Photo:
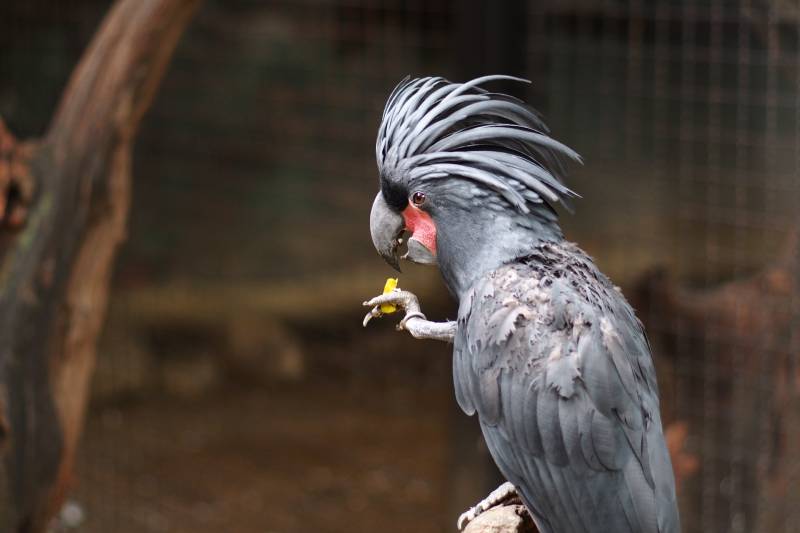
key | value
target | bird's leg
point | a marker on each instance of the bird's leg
(414, 321)
(505, 493)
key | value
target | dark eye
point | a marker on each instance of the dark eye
(418, 198)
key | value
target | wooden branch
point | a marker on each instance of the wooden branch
(502, 519)
(16, 181)
(63, 212)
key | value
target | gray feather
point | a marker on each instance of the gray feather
(550, 427)
(493, 132)
(570, 431)
(462, 379)
(428, 116)
(530, 420)
(572, 421)
(607, 439)
(446, 170)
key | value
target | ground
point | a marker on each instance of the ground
(307, 457)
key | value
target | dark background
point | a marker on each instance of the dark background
(235, 389)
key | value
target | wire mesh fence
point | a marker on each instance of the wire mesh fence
(256, 164)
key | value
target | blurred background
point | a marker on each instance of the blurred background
(235, 389)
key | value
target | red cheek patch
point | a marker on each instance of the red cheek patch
(421, 226)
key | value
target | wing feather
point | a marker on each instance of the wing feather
(570, 431)
(530, 421)
(462, 380)
(567, 404)
(550, 427)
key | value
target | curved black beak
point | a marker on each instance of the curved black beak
(386, 226)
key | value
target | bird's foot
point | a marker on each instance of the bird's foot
(405, 300)
(504, 494)
(414, 320)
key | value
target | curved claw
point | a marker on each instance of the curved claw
(465, 518)
(501, 494)
(375, 312)
(402, 299)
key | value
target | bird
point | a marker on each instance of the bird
(547, 352)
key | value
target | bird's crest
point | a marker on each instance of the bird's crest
(432, 128)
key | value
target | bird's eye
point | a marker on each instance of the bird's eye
(418, 198)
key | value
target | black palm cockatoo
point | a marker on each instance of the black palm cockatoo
(547, 351)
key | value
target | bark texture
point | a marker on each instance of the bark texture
(64, 203)
(502, 519)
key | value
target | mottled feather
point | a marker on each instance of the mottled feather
(564, 394)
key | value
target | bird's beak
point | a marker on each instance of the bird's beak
(419, 253)
(386, 226)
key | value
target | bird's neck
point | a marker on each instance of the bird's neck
(470, 250)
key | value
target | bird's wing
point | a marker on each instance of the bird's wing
(567, 398)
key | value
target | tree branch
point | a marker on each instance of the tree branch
(65, 203)
(502, 519)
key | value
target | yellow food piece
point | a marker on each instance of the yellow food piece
(391, 284)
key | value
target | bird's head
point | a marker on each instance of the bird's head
(465, 175)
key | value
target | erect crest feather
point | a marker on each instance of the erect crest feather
(432, 128)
